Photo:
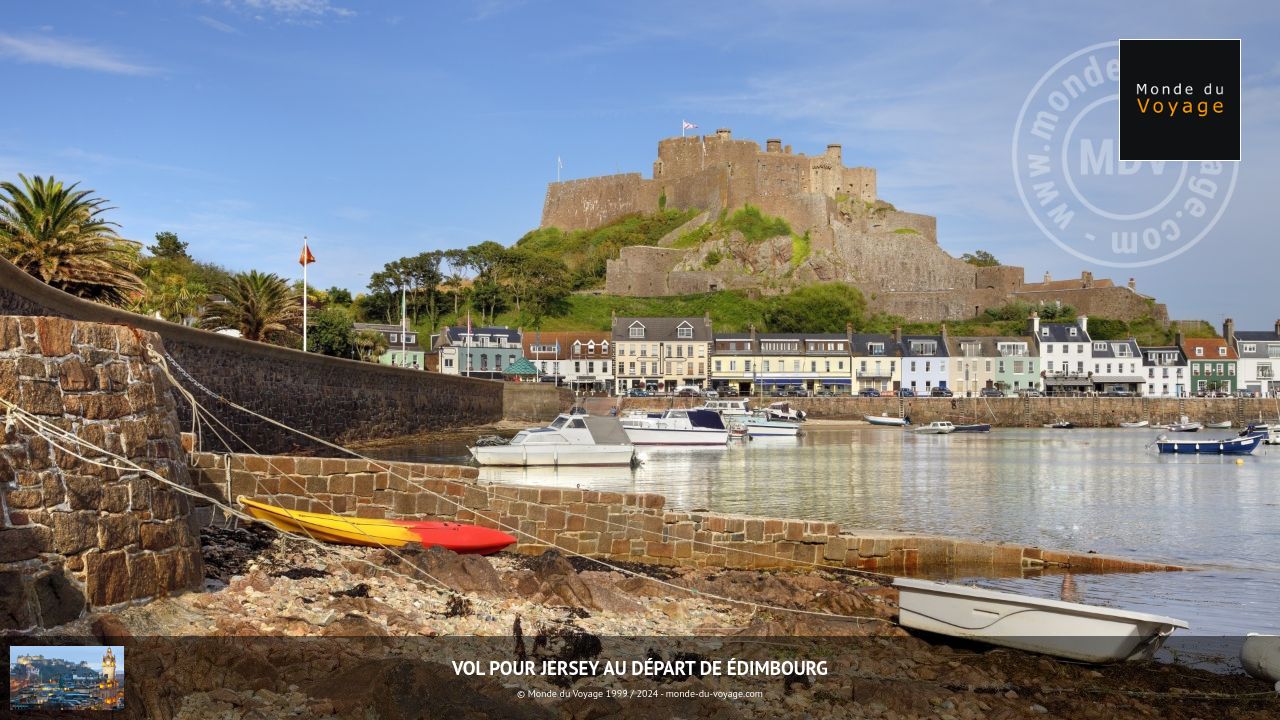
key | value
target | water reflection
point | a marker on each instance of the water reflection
(1099, 490)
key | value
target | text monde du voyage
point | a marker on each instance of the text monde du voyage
(1179, 99)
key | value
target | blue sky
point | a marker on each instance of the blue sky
(382, 129)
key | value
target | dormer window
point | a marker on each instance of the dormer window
(876, 348)
(1222, 352)
(1073, 332)
(1044, 332)
(604, 346)
(636, 330)
(684, 331)
(1199, 352)
(1099, 347)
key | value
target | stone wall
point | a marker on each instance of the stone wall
(340, 400)
(534, 402)
(1104, 412)
(73, 535)
(633, 527)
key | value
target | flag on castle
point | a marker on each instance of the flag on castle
(306, 258)
(686, 125)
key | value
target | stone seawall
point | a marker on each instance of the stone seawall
(616, 526)
(1012, 412)
(340, 400)
(76, 536)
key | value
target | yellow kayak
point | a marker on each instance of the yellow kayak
(380, 532)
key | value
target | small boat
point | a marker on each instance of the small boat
(1074, 631)
(973, 428)
(937, 427)
(784, 411)
(1219, 425)
(1260, 657)
(675, 427)
(887, 421)
(1270, 433)
(1135, 424)
(728, 408)
(571, 439)
(1184, 424)
(1239, 445)
(762, 424)
(1059, 425)
(379, 532)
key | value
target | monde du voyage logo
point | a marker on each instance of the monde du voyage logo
(1123, 152)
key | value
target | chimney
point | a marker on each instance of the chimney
(897, 334)
(752, 328)
(1033, 323)
(848, 333)
(943, 330)
(1177, 338)
(1047, 277)
(1083, 323)
(1133, 284)
(1229, 331)
(773, 145)
(724, 134)
(1086, 278)
(786, 150)
(1278, 327)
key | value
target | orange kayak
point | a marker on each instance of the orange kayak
(380, 532)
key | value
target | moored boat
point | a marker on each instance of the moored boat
(728, 408)
(1239, 445)
(1135, 424)
(675, 427)
(887, 421)
(380, 532)
(1219, 425)
(784, 411)
(973, 428)
(1270, 433)
(1074, 631)
(1184, 424)
(571, 439)
(937, 427)
(1059, 425)
(761, 424)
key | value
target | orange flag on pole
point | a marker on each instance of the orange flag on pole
(306, 258)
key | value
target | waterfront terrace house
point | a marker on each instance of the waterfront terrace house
(1117, 367)
(660, 353)
(1259, 353)
(579, 360)
(482, 353)
(1066, 355)
(763, 363)
(876, 362)
(1213, 365)
(1167, 370)
(924, 361)
(410, 355)
(1004, 363)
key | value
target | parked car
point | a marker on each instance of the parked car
(729, 392)
(796, 392)
(688, 391)
(940, 392)
(1117, 393)
(711, 394)
(823, 393)
(991, 392)
(869, 392)
(638, 392)
(905, 392)
(1030, 393)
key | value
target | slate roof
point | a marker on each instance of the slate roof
(563, 341)
(389, 330)
(661, 329)
(1061, 332)
(860, 341)
(1110, 351)
(989, 345)
(1147, 350)
(907, 350)
(1259, 338)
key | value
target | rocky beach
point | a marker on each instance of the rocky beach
(283, 629)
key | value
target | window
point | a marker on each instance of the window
(1264, 371)
(484, 361)
(1195, 367)
(971, 348)
(1122, 350)
(1048, 348)
(913, 368)
(1050, 368)
(637, 330)
(717, 366)
(411, 339)
(1073, 332)
(1231, 368)
(1044, 332)
(766, 366)
(988, 366)
(999, 366)
(1249, 348)
(684, 331)
(876, 348)
(924, 347)
(746, 366)
(1099, 347)
(733, 365)
(1199, 352)
(395, 337)
(1017, 366)
(1222, 352)
(862, 366)
(448, 362)
(1080, 349)
(577, 367)
(633, 368)
(1273, 350)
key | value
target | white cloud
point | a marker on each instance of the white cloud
(293, 11)
(45, 50)
(217, 25)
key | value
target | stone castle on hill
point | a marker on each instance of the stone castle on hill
(852, 235)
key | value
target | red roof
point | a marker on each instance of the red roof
(1210, 347)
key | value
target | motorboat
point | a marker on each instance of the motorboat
(937, 427)
(380, 532)
(1059, 425)
(729, 407)
(973, 428)
(1184, 424)
(762, 424)
(1239, 445)
(1270, 433)
(1219, 425)
(675, 427)
(887, 421)
(1073, 631)
(784, 411)
(1135, 424)
(571, 439)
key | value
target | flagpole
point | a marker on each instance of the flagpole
(558, 166)
(304, 293)
(404, 358)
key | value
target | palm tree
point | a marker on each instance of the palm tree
(57, 233)
(256, 304)
(370, 344)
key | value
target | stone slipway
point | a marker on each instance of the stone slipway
(632, 527)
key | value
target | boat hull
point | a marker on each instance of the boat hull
(380, 532)
(973, 428)
(1067, 630)
(885, 420)
(1230, 446)
(553, 454)
(669, 436)
(1133, 425)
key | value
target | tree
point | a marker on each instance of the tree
(825, 307)
(484, 258)
(339, 296)
(332, 332)
(259, 305)
(370, 344)
(981, 258)
(169, 247)
(58, 234)
(422, 273)
(540, 281)
(174, 296)
(488, 297)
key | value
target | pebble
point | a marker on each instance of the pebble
(1039, 709)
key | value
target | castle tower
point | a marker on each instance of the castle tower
(109, 668)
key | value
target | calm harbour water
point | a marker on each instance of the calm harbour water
(1100, 490)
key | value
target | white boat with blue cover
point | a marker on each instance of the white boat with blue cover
(571, 439)
(675, 427)
(1074, 631)
(761, 424)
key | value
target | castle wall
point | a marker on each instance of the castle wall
(1112, 302)
(592, 202)
(641, 271)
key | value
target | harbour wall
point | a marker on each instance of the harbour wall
(616, 526)
(1013, 412)
(75, 535)
(332, 398)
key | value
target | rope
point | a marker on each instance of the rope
(516, 530)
